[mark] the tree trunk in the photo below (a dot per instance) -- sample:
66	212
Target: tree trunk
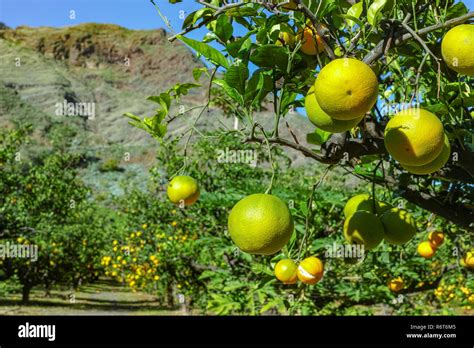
26	293
170	295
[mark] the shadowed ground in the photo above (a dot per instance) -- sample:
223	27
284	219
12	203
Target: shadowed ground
101	298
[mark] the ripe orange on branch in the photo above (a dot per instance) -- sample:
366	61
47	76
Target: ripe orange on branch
322	120
426	250
436	238
346	88
285	271
457	49
311	42
310	270
397	284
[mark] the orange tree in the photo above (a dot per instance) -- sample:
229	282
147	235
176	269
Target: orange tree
383	57
45	206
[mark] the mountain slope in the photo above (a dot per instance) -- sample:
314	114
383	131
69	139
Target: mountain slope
109	68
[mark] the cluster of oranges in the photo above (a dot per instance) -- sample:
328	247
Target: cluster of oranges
137	260
309	271
455	291
428	248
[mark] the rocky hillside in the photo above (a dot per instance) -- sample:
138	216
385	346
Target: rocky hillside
110	68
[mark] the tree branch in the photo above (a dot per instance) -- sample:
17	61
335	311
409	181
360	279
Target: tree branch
457	213
378	50
207	20
314	20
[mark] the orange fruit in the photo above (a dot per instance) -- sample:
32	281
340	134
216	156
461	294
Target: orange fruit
322	120
426	250
310	270
364	201
363	228
184	189
468	260
457	49
435	164
346	88
414	137
399	226
260	224
436	238
311	43
396	284
285	271
285	39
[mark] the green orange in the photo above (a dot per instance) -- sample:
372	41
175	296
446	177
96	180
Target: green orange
260	224
364	228
399	226
322	120
183	189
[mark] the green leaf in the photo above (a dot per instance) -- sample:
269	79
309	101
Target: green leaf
374	14
207	51
230	91
259	85
318	137
197	72
163	99
194	16
354	12
236	76
224	28
241	12
270	56
456	10
352	20
440	109
239	45
183	88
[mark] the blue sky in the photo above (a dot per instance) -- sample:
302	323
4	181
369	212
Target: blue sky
133	14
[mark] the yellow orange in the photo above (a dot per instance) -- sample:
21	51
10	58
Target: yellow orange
426	250
310	270
396	284
322	120
435	164
414	137
346	88
457	49
285	271
260	224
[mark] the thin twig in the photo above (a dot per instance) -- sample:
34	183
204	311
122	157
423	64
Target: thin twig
206	20
378	50
309	212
